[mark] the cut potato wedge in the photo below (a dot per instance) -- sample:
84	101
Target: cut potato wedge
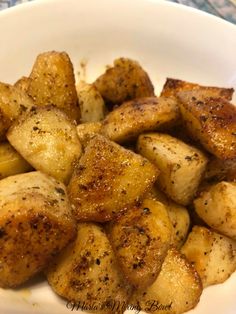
86	272
52	82
217	207
212	121
11	162
48	140
23	83
124	81
13	102
35	224
182	166
176	290
173	86
107	180
179	217
88	129
138	116
92	106
212	254
140	239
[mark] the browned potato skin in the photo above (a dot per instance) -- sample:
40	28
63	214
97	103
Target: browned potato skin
107	180
138	116
173	86
87	271
176	290
141	239
178	214
48	140
217	207
124	81
52	82
23	83
35	224
212	121
218	170
13	102
212	254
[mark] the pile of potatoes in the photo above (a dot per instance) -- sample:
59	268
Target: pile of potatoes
117	196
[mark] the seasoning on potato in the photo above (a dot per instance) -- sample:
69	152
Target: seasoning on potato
35	224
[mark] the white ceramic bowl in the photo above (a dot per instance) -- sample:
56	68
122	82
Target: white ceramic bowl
167	39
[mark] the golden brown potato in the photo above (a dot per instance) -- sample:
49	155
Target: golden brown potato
173	86
52	82
217	207
140	115
48	140
140	239
88	129
212	121
13	102
11	162
179	217
212	254
23	83
92	106
124	81
176	290
218	170
182	166
86	272
35	224
108	179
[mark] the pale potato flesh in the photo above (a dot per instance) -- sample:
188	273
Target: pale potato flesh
125	80
140	239
217	207
211	121
178	214
87	271
212	254
88	129
35	224
11	162
52	82
176	290
92	106
138	116
48	140
182	166
107	180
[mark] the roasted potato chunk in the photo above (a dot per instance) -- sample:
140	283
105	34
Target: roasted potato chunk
11	162
92	106
141	239
48	140
52	82
23	83
35	224
217	207
86	271
124	81
88	129
140	115
173	86
182	166
108	179
212	254
179	217
212	121
13	102
218	170
176	290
